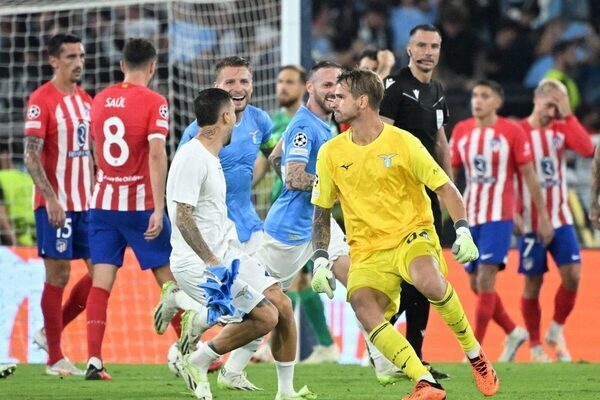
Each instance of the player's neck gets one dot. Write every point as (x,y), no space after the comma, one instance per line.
(423,77)
(535,122)
(139,78)
(487,120)
(211,139)
(366,129)
(66,87)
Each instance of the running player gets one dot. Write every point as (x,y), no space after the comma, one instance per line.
(552,128)
(493,150)
(378,173)
(57,155)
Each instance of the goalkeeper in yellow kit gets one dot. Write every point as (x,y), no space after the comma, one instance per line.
(379,174)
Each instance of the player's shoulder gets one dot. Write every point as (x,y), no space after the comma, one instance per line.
(83,93)
(464,126)
(257,113)
(509,126)
(43,92)
(336,142)
(395,81)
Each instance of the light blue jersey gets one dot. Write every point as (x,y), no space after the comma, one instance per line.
(237,160)
(290,217)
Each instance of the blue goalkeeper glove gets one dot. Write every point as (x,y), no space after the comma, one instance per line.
(323,280)
(464,249)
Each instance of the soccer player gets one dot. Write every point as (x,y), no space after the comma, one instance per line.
(494,150)
(251,132)
(552,128)
(415,102)
(130,124)
(286,247)
(57,155)
(204,238)
(595,195)
(378,173)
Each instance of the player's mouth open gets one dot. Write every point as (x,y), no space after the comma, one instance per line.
(238,98)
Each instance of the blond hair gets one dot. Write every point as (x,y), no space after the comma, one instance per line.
(549,85)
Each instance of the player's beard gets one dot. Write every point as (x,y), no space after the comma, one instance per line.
(287,101)
(325,102)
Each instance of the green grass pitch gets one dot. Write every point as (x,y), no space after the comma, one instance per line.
(578,381)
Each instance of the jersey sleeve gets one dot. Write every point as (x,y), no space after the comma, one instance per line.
(158,119)
(189,177)
(520,146)
(392,99)
(424,167)
(298,144)
(188,134)
(324,191)
(266,128)
(576,137)
(455,159)
(37,118)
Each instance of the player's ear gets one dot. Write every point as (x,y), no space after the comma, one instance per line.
(309,87)
(122,65)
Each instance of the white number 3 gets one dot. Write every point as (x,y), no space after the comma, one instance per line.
(115,138)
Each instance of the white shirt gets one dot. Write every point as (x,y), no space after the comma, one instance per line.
(196,178)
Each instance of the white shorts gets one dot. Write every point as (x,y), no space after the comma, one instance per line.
(253,244)
(247,289)
(283,261)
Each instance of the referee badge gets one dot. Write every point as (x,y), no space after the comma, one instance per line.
(439,116)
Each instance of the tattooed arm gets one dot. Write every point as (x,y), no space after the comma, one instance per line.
(275,158)
(191,234)
(296,178)
(595,195)
(33,150)
(321,231)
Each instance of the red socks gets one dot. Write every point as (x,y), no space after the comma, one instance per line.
(564,301)
(484,310)
(97,304)
(75,304)
(176,323)
(501,317)
(53,323)
(532,314)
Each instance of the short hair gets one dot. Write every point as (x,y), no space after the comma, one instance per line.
(495,86)
(549,85)
(297,68)
(209,104)
(323,64)
(368,53)
(561,47)
(426,28)
(138,52)
(361,82)
(233,61)
(55,43)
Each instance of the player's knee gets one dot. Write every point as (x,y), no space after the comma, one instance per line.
(282,303)
(267,316)
(367,313)
(571,277)
(57,276)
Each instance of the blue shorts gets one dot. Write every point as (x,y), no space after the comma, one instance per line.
(493,241)
(112,231)
(67,243)
(564,249)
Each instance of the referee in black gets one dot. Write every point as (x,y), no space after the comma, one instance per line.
(415,102)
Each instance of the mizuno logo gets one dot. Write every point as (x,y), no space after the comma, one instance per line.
(346,166)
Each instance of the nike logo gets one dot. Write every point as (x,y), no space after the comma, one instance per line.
(575,257)
(346,166)
(404,365)
(486,256)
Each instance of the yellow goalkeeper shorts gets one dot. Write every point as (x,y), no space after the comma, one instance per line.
(384,270)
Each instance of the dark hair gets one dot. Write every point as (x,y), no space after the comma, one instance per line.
(233,61)
(495,86)
(361,82)
(138,52)
(55,43)
(426,28)
(323,64)
(561,47)
(209,104)
(293,67)
(369,53)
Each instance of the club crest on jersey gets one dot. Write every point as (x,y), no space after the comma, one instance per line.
(300,140)
(34,112)
(61,245)
(163,111)
(82,131)
(495,144)
(547,166)
(557,141)
(387,159)
(254,136)
(480,164)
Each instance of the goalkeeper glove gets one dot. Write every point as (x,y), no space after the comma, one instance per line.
(464,248)
(323,280)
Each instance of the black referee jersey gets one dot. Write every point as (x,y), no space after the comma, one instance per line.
(417,107)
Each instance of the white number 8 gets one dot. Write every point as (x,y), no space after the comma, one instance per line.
(116,139)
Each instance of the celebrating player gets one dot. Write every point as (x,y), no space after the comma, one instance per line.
(552,128)
(378,173)
(204,237)
(595,195)
(494,150)
(129,126)
(57,155)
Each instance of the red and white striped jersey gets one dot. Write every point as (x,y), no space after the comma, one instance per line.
(125,117)
(63,122)
(491,156)
(548,146)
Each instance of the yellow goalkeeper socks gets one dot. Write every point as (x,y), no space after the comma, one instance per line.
(396,348)
(451,311)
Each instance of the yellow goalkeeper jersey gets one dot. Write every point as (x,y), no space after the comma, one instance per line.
(381,186)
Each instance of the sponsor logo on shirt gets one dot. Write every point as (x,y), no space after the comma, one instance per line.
(480,164)
(346,166)
(547,165)
(82,131)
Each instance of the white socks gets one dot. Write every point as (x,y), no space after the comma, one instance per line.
(240,357)
(203,357)
(285,377)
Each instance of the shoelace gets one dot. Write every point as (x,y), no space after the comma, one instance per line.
(480,366)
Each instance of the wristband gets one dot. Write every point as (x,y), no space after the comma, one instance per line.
(320,253)
(461,223)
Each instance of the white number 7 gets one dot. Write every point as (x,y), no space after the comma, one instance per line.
(529,243)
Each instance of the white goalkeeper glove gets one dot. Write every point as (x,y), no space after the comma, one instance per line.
(323,280)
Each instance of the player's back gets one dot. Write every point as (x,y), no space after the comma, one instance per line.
(125,117)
